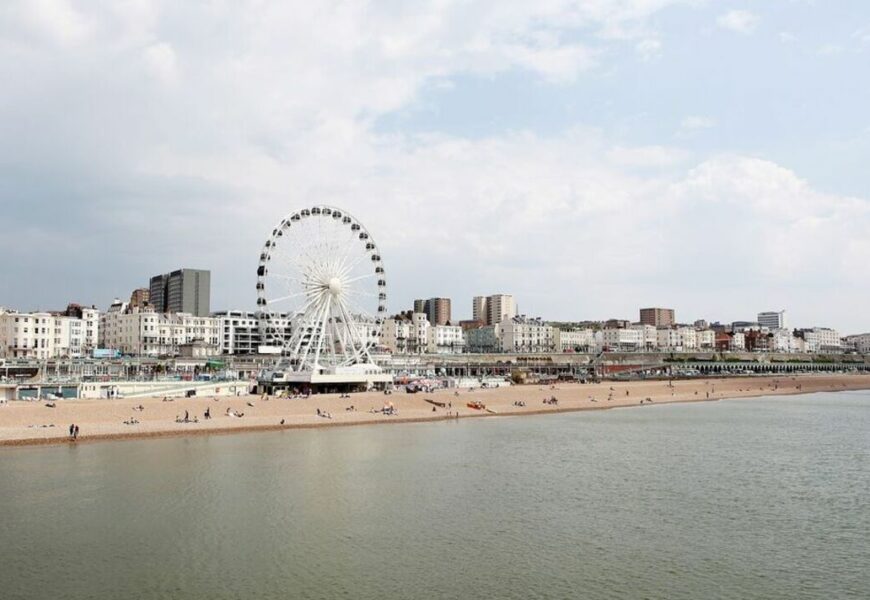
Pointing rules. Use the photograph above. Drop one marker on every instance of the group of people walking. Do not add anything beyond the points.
(73, 431)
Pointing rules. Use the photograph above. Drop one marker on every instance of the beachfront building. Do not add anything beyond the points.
(688, 338)
(90, 325)
(622, 339)
(859, 342)
(575, 340)
(522, 334)
(444, 339)
(395, 335)
(145, 332)
(668, 340)
(782, 340)
(738, 341)
(648, 336)
(706, 339)
(820, 339)
(418, 339)
(239, 331)
(483, 340)
(44, 335)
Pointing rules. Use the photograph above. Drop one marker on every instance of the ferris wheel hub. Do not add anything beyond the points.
(335, 286)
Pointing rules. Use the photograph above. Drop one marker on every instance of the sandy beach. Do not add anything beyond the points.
(25, 423)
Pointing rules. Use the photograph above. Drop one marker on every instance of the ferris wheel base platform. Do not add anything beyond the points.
(325, 381)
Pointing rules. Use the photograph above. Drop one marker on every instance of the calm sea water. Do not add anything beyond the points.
(738, 499)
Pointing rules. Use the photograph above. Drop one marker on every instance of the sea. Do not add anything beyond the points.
(746, 499)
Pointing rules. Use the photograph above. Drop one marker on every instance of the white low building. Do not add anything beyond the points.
(44, 335)
(395, 335)
(649, 336)
(524, 335)
(445, 339)
(706, 339)
(859, 342)
(668, 340)
(688, 338)
(623, 339)
(782, 340)
(575, 340)
(821, 339)
(144, 332)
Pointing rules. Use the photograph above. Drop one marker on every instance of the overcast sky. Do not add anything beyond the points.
(589, 157)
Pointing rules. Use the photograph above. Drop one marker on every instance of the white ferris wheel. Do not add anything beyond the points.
(321, 271)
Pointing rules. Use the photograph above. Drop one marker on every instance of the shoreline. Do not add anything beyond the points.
(93, 415)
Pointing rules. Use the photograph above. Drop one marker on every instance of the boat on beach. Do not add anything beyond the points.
(435, 402)
(476, 405)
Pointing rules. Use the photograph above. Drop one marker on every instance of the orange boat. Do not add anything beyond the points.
(476, 405)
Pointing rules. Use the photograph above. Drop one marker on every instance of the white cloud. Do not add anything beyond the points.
(649, 48)
(55, 20)
(787, 37)
(161, 61)
(831, 49)
(280, 109)
(739, 21)
(694, 122)
(647, 156)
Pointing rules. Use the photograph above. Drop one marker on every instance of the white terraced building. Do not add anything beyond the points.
(44, 335)
(859, 342)
(706, 339)
(821, 339)
(418, 339)
(622, 339)
(395, 335)
(648, 336)
(575, 340)
(144, 332)
(445, 339)
(522, 334)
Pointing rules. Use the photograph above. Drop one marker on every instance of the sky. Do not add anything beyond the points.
(589, 157)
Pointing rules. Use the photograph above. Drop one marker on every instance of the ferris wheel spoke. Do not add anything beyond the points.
(359, 292)
(360, 278)
(288, 297)
(345, 255)
(348, 268)
(303, 282)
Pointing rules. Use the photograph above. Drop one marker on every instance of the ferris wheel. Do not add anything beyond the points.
(321, 271)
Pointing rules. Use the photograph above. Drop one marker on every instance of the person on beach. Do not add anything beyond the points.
(76, 432)
(72, 429)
